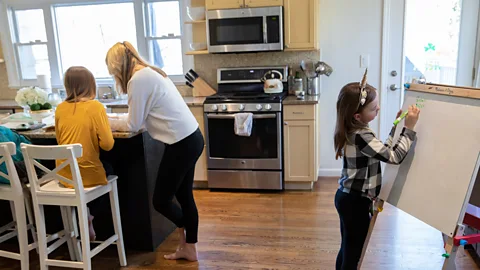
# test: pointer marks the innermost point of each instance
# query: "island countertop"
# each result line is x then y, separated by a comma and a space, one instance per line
50, 134
191, 101
135, 159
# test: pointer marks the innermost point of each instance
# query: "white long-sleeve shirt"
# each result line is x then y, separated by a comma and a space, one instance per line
154, 102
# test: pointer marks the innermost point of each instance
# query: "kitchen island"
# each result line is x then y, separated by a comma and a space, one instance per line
135, 159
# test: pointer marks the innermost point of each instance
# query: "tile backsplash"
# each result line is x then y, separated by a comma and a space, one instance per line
206, 65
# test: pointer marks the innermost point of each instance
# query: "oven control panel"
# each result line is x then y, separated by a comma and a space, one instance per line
236, 107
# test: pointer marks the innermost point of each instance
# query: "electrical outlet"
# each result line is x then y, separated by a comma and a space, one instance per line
364, 60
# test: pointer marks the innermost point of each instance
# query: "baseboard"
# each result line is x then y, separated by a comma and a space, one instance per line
200, 184
329, 172
298, 185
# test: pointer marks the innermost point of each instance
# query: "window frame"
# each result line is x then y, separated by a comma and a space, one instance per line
9, 34
17, 44
184, 34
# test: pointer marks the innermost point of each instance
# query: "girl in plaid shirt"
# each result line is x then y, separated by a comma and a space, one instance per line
362, 153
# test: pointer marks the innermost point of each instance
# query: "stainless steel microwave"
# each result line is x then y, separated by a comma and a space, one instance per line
245, 30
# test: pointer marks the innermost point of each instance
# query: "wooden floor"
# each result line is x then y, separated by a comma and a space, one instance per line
290, 230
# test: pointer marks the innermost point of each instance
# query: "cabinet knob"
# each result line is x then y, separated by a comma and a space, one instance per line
286, 46
285, 123
246, 6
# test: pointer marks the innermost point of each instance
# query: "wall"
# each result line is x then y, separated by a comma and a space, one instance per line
347, 29
206, 65
5, 92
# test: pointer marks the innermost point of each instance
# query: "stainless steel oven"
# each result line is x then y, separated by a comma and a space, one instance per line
261, 150
247, 29
247, 162
234, 159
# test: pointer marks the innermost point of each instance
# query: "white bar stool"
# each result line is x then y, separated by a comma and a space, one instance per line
48, 191
19, 202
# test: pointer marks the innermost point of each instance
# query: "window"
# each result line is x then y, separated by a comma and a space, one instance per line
433, 52
48, 37
165, 36
31, 43
86, 32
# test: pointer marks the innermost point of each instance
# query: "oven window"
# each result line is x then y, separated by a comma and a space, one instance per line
236, 31
224, 143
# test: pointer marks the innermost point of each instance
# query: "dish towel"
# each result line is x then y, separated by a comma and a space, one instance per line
243, 124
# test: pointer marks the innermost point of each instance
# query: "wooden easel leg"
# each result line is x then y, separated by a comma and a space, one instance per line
378, 207
451, 250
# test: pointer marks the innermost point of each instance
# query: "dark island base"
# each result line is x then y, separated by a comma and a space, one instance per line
136, 161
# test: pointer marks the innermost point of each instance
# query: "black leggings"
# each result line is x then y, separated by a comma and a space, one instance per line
354, 212
175, 178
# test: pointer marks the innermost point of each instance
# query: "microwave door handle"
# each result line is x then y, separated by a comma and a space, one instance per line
265, 30
232, 116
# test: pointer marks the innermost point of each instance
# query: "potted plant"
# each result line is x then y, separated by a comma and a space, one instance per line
34, 101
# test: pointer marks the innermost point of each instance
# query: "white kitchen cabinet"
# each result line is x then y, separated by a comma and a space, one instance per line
301, 24
119, 110
201, 167
300, 146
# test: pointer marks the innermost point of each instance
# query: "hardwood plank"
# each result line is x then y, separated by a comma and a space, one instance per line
288, 230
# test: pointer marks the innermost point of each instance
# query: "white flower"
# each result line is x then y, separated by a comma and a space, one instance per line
20, 99
42, 95
31, 95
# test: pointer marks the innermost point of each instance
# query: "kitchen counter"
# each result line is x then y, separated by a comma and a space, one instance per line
292, 100
50, 134
191, 101
9, 105
194, 101
12, 105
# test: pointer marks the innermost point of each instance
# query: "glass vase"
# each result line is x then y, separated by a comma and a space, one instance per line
26, 111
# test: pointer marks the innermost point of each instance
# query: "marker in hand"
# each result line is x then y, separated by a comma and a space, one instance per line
400, 118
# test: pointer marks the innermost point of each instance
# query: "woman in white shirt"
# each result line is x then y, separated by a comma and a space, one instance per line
155, 103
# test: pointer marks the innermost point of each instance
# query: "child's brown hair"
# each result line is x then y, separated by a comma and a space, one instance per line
348, 104
79, 84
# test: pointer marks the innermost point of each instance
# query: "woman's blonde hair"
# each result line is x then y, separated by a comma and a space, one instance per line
121, 61
79, 84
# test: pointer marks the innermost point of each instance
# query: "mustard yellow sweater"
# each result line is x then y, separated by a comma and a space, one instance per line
86, 123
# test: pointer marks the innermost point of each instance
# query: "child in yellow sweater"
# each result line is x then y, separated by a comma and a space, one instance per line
81, 119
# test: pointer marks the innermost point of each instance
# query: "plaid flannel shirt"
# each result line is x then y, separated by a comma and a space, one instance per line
361, 172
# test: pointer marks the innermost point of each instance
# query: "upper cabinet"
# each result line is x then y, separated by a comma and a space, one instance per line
263, 3
228, 4
301, 24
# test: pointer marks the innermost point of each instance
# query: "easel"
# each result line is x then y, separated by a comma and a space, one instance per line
458, 240
452, 244
377, 208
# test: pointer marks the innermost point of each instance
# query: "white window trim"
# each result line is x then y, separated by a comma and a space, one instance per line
7, 34
187, 60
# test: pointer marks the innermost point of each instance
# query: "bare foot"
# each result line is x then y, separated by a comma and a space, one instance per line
187, 252
91, 230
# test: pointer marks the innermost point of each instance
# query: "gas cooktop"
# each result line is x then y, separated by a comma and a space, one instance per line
245, 97
241, 90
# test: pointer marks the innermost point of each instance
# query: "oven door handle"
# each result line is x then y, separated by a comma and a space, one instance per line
232, 116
